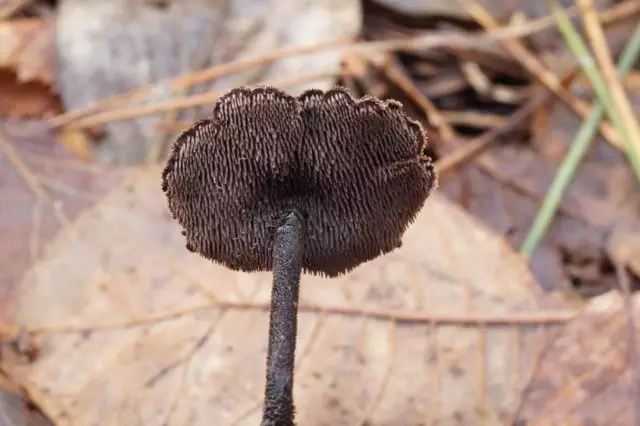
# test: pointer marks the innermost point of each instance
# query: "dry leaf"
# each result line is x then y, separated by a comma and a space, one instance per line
27, 221
585, 377
31, 159
26, 49
23, 100
136, 330
623, 245
26, 69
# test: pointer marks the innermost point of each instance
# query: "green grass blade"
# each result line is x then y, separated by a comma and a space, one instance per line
579, 147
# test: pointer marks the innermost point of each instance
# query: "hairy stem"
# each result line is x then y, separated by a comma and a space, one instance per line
279, 409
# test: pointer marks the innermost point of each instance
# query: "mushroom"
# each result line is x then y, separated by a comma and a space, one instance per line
319, 183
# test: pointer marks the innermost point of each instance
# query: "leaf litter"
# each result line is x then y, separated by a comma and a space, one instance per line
505, 184
26, 71
181, 340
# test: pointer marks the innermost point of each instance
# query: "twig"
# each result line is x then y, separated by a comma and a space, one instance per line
394, 72
174, 126
478, 145
572, 160
535, 67
347, 45
185, 102
470, 319
473, 118
203, 76
481, 83
628, 119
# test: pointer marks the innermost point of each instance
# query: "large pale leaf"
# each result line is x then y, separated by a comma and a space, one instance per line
135, 330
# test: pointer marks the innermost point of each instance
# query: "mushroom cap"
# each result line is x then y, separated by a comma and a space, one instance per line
356, 169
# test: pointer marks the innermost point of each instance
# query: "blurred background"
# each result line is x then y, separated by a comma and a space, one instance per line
512, 301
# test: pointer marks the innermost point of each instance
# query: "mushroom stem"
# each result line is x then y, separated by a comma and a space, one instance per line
283, 322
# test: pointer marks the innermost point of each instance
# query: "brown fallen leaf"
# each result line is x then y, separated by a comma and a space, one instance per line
26, 100
585, 377
27, 49
136, 330
26, 75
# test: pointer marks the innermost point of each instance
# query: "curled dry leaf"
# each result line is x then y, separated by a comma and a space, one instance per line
589, 374
25, 69
136, 330
26, 100
26, 49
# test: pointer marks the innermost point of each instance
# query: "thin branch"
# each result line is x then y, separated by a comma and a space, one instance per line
394, 72
478, 145
187, 101
344, 44
628, 117
536, 68
471, 319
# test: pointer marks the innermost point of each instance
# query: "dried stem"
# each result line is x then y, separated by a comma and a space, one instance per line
532, 64
395, 72
343, 44
627, 117
478, 145
283, 323
187, 101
